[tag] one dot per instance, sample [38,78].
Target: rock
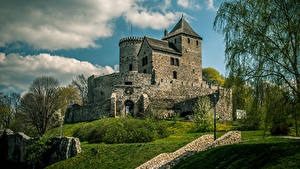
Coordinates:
[14,145]
[63,148]
[13,148]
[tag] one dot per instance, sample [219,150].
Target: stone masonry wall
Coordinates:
[169,160]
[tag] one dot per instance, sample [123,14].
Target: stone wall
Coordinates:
[76,113]
[169,160]
[13,149]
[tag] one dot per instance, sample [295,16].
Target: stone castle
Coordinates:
[164,74]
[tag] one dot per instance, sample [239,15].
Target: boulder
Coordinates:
[13,148]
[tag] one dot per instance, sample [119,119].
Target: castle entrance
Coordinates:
[129,105]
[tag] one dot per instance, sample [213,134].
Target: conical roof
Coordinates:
[182,27]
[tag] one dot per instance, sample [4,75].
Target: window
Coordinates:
[177,62]
[197,43]
[145,61]
[145,71]
[174,75]
[130,67]
[189,41]
[172,61]
[175,41]
[128,83]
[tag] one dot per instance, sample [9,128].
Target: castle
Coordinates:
[165,74]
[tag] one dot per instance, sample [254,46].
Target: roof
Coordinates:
[162,45]
[182,27]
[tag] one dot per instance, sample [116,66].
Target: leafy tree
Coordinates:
[81,83]
[277,107]
[41,102]
[201,114]
[6,115]
[8,108]
[212,76]
[262,41]
[241,93]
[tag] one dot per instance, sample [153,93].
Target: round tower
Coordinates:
[129,48]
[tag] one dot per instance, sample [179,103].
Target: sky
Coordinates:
[65,38]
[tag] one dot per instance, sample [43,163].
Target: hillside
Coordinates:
[131,155]
[268,153]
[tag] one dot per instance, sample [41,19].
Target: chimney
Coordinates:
[166,32]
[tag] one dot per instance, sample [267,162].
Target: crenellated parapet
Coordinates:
[131,39]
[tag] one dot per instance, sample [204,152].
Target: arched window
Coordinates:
[197,43]
[189,41]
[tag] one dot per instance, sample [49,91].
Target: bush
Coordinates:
[36,152]
[123,130]
[280,129]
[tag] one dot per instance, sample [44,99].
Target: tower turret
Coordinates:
[129,48]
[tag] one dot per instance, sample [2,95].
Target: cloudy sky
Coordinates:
[64,38]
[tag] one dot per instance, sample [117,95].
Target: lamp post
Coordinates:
[216,99]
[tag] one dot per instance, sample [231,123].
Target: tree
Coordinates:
[41,102]
[6,115]
[241,93]
[212,76]
[82,85]
[201,114]
[8,108]
[262,41]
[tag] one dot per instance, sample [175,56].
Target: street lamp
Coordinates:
[216,99]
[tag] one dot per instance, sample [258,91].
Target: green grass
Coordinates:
[262,153]
[124,155]
[134,154]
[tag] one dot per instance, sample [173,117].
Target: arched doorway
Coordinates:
[129,107]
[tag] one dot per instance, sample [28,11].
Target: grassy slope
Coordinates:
[263,153]
[123,155]
[130,155]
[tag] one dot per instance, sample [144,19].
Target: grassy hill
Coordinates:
[264,153]
[131,155]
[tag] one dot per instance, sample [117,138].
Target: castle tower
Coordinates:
[129,48]
[188,42]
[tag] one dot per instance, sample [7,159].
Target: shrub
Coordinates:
[123,130]
[36,152]
[202,116]
[280,129]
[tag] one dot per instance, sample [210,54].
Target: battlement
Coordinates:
[131,39]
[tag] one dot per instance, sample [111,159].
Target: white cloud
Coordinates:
[183,3]
[192,4]
[143,18]
[210,5]
[18,72]
[71,23]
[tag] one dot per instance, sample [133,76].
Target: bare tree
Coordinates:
[41,102]
[80,82]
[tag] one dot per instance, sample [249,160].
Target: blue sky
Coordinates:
[64,38]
